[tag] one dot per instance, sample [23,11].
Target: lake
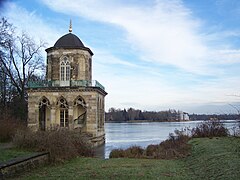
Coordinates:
[124,135]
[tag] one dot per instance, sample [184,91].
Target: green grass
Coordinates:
[216,158]
[7,154]
[93,168]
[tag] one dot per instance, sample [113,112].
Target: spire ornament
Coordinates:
[70,26]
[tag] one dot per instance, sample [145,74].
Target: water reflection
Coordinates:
[124,135]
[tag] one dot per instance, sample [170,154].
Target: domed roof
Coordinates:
[69,41]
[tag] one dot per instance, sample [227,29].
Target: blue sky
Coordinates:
[151,55]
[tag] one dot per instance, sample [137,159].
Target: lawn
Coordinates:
[7,154]
[93,168]
[216,158]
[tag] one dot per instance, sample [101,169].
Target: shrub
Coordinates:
[117,153]
[151,150]
[134,152]
[211,128]
[8,127]
[62,144]
[131,152]
[236,129]
[175,146]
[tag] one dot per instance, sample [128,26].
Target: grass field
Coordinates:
[7,154]
[216,158]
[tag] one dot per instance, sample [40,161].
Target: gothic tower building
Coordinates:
[68,98]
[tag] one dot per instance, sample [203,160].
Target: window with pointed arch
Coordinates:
[43,109]
[65,69]
[63,105]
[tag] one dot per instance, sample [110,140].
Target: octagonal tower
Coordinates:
[68,98]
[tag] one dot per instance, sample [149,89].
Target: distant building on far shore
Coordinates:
[183,116]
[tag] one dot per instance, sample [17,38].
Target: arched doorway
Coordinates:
[79,112]
[43,112]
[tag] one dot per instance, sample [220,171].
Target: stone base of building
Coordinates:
[98,140]
[74,108]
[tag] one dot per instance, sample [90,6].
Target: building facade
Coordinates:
[68,98]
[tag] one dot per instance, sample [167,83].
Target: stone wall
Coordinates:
[93,98]
[18,165]
[80,61]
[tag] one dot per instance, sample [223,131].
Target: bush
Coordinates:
[175,146]
[236,129]
[151,150]
[8,127]
[62,144]
[132,152]
[117,153]
[211,128]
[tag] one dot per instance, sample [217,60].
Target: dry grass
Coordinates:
[62,144]
[132,152]
[211,128]
[176,146]
[236,129]
[8,127]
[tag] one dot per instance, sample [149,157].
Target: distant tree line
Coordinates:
[119,115]
[20,62]
[214,116]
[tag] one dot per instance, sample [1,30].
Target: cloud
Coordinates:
[145,91]
[176,63]
[32,23]
[163,33]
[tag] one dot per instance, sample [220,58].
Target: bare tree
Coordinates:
[20,58]
[6,31]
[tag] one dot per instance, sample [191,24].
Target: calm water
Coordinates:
[124,135]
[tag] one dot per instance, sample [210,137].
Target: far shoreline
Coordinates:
[140,121]
[152,121]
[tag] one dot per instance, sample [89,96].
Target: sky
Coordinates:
[150,55]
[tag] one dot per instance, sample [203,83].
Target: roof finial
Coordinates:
[70,26]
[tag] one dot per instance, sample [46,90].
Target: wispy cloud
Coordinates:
[32,23]
[178,62]
[165,32]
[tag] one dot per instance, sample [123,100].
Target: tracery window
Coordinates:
[63,105]
[44,102]
[65,69]
[79,101]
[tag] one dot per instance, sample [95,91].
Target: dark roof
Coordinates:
[69,41]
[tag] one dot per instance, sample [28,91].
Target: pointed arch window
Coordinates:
[43,108]
[79,101]
[63,105]
[79,112]
[65,71]
[44,102]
